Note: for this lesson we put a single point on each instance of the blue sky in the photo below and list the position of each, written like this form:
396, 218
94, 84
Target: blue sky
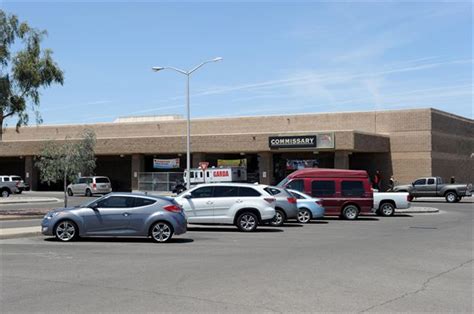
279, 58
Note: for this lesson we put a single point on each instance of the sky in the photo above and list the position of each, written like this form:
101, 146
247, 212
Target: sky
278, 57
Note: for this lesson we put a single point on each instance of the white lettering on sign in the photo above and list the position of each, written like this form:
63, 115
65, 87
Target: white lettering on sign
296, 141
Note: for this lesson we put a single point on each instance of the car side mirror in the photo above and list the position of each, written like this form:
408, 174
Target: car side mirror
187, 196
94, 206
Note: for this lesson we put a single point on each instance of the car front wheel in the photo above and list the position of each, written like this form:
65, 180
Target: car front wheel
66, 230
350, 212
5, 193
247, 222
279, 218
304, 216
88, 193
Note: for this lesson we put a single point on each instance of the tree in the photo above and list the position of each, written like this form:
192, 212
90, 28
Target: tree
24, 72
58, 162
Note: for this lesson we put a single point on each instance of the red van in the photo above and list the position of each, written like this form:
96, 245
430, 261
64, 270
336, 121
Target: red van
345, 193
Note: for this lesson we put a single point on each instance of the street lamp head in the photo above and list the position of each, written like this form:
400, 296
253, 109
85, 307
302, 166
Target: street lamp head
217, 59
156, 69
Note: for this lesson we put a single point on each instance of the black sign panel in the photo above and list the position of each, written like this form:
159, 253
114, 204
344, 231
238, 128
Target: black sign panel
302, 141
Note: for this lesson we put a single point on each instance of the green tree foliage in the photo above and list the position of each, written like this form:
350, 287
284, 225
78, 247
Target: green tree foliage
58, 162
23, 72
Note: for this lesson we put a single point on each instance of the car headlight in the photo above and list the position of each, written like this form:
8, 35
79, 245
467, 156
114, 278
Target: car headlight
50, 215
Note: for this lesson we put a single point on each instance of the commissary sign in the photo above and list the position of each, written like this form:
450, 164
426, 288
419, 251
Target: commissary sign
303, 141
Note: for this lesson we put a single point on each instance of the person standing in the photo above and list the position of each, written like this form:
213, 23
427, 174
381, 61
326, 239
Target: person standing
392, 183
377, 179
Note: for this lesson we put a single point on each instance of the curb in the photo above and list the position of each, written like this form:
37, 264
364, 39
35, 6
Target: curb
27, 201
20, 235
417, 210
20, 217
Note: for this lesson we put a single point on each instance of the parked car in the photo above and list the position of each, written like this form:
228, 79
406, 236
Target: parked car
21, 185
89, 186
385, 203
435, 187
344, 193
241, 204
7, 186
285, 206
308, 207
118, 214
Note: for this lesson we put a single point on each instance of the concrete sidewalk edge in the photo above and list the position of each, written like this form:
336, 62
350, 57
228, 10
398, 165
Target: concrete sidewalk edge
417, 210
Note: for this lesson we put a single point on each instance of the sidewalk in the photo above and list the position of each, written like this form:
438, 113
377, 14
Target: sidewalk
417, 210
26, 199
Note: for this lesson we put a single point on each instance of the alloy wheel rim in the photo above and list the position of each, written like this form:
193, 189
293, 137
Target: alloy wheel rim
247, 222
161, 232
387, 209
451, 197
278, 218
303, 216
65, 231
351, 212
4, 193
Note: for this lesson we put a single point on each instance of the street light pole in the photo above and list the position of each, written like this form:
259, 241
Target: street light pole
188, 112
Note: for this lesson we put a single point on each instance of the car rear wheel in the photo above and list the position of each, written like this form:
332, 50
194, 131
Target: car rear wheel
350, 212
247, 222
451, 197
279, 218
161, 232
387, 209
88, 193
5, 193
304, 215
66, 230
69, 192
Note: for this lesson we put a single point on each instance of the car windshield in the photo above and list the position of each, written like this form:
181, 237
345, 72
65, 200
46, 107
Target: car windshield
283, 182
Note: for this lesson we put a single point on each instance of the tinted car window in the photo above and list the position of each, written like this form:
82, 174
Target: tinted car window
116, 202
297, 185
6, 179
272, 191
296, 195
226, 191
81, 180
139, 202
420, 182
323, 188
352, 188
16, 178
202, 192
249, 192
431, 181
102, 180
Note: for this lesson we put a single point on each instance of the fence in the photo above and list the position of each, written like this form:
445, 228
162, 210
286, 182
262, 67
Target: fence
158, 181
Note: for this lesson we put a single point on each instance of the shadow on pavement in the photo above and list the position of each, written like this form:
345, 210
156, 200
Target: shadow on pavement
223, 229
358, 219
316, 222
123, 240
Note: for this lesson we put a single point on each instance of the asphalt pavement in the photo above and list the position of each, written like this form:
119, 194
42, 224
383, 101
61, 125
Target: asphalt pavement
403, 263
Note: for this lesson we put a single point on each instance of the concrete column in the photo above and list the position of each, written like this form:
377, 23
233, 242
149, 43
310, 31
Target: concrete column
31, 173
138, 165
196, 158
341, 160
265, 167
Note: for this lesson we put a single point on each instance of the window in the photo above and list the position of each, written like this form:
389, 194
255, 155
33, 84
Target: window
431, 181
248, 192
102, 180
6, 179
139, 202
272, 191
202, 192
420, 182
297, 185
116, 202
15, 178
297, 195
226, 191
352, 188
323, 188
81, 180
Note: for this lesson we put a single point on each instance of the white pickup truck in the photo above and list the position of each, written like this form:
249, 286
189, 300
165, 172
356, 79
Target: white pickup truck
385, 203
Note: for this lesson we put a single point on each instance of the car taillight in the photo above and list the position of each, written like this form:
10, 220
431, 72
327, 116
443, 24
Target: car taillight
172, 208
291, 200
269, 199
319, 203
17, 183
409, 198
94, 186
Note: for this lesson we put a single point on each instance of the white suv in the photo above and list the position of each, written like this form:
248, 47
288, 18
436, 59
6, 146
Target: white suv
241, 204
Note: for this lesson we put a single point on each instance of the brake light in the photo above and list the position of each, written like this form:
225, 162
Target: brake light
173, 208
94, 186
270, 199
409, 198
17, 183
291, 200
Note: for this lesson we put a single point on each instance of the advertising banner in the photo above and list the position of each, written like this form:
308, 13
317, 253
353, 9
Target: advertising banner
301, 164
232, 162
166, 163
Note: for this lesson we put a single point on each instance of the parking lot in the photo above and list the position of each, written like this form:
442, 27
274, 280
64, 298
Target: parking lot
400, 263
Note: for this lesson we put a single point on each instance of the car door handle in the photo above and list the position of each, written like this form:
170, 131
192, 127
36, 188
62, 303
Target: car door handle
209, 202
126, 214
